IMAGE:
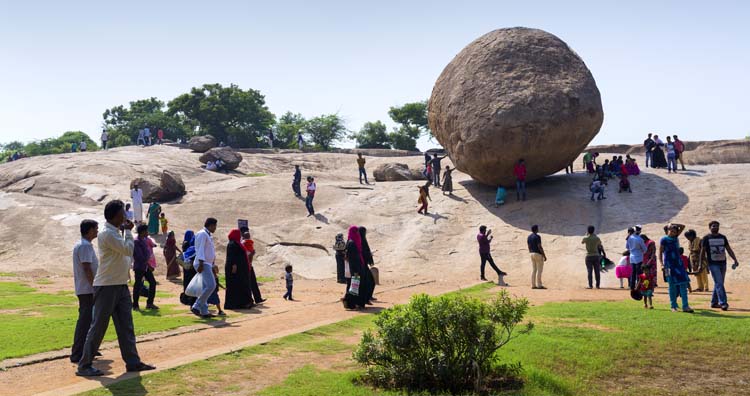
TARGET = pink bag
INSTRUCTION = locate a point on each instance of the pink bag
(623, 271)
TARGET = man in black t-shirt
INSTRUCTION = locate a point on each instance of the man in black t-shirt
(648, 145)
(715, 247)
(534, 241)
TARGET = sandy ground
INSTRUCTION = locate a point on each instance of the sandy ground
(38, 227)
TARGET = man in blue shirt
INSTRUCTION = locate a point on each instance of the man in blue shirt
(637, 248)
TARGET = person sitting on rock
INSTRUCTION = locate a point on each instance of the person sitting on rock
(624, 184)
(500, 196)
(211, 166)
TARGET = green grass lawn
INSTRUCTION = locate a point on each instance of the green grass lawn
(36, 322)
(576, 348)
(255, 174)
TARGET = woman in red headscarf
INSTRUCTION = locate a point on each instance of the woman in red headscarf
(238, 295)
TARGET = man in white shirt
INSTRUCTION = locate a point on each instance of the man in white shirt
(637, 249)
(111, 294)
(104, 138)
(210, 166)
(311, 188)
(85, 264)
(205, 256)
(82, 146)
(136, 194)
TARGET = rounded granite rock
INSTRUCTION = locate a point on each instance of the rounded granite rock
(515, 93)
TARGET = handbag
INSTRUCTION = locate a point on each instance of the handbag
(354, 287)
(195, 287)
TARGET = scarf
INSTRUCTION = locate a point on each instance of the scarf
(355, 237)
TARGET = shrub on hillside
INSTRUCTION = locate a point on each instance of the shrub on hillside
(442, 344)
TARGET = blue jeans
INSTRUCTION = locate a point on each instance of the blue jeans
(209, 284)
(671, 164)
(718, 272)
(599, 191)
(362, 173)
(648, 158)
(520, 189)
(288, 292)
(309, 205)
(674, 290)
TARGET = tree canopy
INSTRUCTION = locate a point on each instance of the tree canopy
(58, 145)
(123, 123)
(325, 130)
(233, 115)
(287, 128)
(373, 135)
(412, 118)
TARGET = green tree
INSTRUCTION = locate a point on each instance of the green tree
(325, 130)
(372, 135)
(287, 128)
(412, 118)
(123, 123)
(237, 117)
(60, 144)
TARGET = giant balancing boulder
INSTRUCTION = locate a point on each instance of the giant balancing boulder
(515, 93)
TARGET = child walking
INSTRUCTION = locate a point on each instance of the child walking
(424, 195)
(164, 223)
(289, 282)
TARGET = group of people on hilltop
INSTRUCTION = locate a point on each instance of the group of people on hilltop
(664, 155)
(145, 136)
(640, 259)
(617, 167)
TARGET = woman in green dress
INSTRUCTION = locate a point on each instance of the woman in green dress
(153, 218)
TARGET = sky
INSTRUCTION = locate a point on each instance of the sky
(677, 67)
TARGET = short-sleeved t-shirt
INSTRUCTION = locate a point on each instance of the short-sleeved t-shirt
(715, 246)
(670, 148)
(534, 240)
(592, 243)
(83, 252)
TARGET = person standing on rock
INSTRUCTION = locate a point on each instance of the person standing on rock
(83, 147)
(296, 181)
(435, 165)
(594, 252)
(534, 242)
(85, 264)
(448, 180)
(680, 148)
(362, 171)
(205, 256)
(519, 170)
(674, 269)
(136, 194)
(147, 136)
(310, 189)
(424, 196)
(637, 248)
(648, 146)
(112, 295)
(671, 156)
(154, 210)
(484, 238)
(104, 138)
(300, 141)
(714, 249)
(159, 136)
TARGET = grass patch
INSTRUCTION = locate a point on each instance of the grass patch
(265, 279)
(255, 174)
(38, 322)
(7, 274)
(592, 348)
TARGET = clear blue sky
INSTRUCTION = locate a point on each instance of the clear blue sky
(671, 67)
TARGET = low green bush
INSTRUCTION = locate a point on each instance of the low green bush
(443, 344)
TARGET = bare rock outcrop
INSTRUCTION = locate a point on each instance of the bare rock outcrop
(396, 172)
(231, 158)
(515, 93)
(201, 144)
(168, 187)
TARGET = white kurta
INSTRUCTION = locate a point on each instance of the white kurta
(137, 197)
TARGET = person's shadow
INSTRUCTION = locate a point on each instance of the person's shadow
(126, 384)
(435, 217)
(321, 218)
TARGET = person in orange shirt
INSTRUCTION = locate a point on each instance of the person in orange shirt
(249, 245)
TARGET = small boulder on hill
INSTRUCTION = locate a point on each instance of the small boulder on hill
(231, 158)
(396, 172)
(168, 187)
(201, 144)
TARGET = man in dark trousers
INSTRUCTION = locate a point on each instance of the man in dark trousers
(484, 238)
(649, 145)
(436, 169)
(297, 180)
(85, 264)
(112, 295)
